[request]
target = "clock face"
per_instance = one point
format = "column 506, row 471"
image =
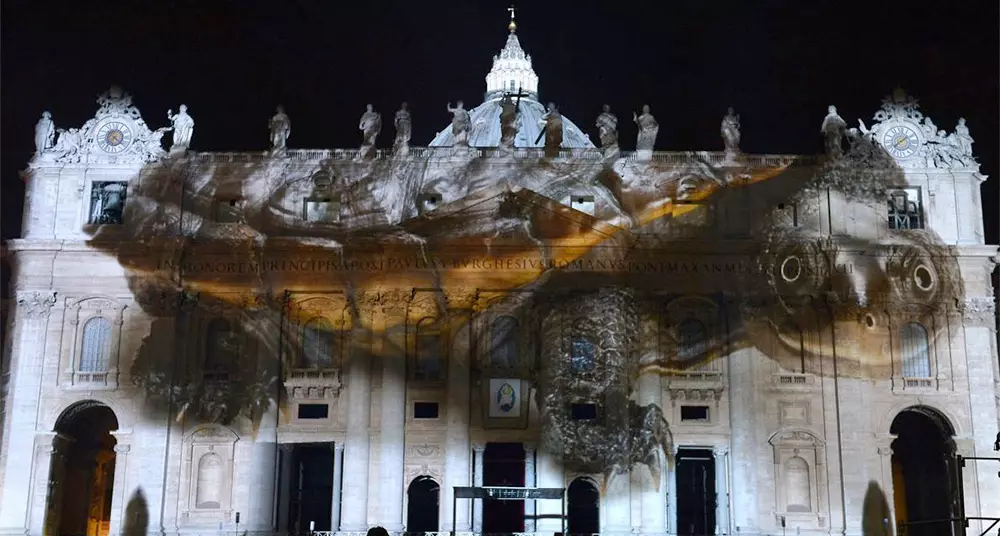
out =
column 901, row 141
column 114, row 137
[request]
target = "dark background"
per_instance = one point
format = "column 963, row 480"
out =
column 779, row 63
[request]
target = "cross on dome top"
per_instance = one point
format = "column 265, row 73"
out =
column 511, row 68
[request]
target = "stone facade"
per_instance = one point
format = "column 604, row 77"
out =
column 233, row 310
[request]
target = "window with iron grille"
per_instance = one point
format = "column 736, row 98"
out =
column 906, row 209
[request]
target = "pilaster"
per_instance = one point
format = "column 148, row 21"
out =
column 358, row 444
column 390, row 328
column 27, row 360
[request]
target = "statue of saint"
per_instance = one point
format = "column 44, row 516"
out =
column 403, row 127
column 460, row 123
column 370, row 126
column 648, row 129
column 833, row 130
column 281, row 129
column 607, row 125
column 731, row 131
column 510, row 121
column 553, row 130
column 963, row 137
column 183, row 128
column 45, row 134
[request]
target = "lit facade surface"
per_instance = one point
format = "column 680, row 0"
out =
column 688, row 343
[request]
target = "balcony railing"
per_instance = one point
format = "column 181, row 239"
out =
column 678, row 157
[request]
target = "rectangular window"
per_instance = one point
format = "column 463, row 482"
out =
column 583, row 412
column 425, row 410
column 321, row 210
column 107, row 203
column 583, row 203
column 694, row 413
column 906, row 209
column 314, row 411
column 228, row 211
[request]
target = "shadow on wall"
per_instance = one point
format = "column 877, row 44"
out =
column 136, row 515
column 216, row 248
column 876, row 516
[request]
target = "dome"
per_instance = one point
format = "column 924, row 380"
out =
column 512, row 74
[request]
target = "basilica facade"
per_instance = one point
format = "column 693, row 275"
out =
column 611, row 341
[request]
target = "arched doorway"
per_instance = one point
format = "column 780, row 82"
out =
column 583, row 508
column 924, row 473
column 82, row 471
column 423, row 505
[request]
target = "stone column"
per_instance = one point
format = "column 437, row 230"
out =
column 721, row 455
column 457, row 463
column 550, row 475
column 477, row 474
column 338, row 482
column 285, row 485
column 120, row 485
column 358, row 444
column 884, row 446
column 672, row 496
column 49, row 470
column 391, row 322
column 653, row 499
column 27, row 361
column 529, row 482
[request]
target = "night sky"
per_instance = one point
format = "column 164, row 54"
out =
column 778, row 63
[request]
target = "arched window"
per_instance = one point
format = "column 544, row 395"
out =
column 318, row 344
column 582, row 354
column 96, row 348
column 503, row 335
column 914, row 345
column 220, row 349
column 691, row 339
column 429, row 349
column 209, row 490
column 797, row 485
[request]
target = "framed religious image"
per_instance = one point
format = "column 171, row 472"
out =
column 505, row 403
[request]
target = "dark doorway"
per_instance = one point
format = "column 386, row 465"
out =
column 695, row 492
column 583, row 508
column 311, row 487
column 924, row 473
column 503, row 465
column 423, row 505
column 82, row 474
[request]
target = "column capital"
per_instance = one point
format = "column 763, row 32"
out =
column 479, row 448
column 123, row 448
column 288, row 447
column 720, row 451
column 36, row 304
column 338, row 448
column 530, row 448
